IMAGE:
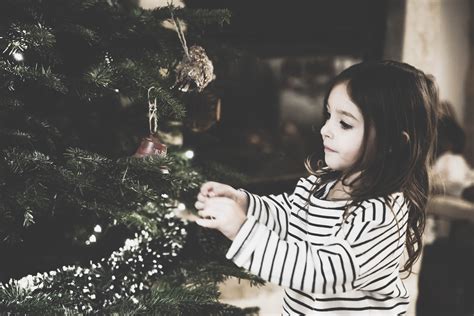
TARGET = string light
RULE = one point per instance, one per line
(18, 56)
(128, 272)
(189, 154)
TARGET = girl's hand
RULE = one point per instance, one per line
(224, 214)
(216, 189)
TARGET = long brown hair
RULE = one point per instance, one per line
(399, 103)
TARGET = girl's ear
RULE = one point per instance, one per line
(406, 137)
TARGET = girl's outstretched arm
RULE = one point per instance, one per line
(271, 211)
(364, 255)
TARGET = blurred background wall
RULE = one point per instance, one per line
(438, 39)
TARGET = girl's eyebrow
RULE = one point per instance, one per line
(347, 114)
(342, 112)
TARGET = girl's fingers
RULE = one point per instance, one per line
(202, 201)
(207, 187)
(209, 223)
(220, 189)
(212, 189)
(218, 201)
(201, 197)
(207, 213)
(199, 205)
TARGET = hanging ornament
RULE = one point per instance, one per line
(195, 71)
(149, 146)
(152, 145)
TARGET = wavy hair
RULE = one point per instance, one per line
(399, 103)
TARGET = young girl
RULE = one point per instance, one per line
(336, 242)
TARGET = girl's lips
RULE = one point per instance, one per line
(328, 149)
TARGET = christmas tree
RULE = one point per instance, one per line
(86, 225)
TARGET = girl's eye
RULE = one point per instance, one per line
(344, 125)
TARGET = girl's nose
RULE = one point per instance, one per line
(325, 133)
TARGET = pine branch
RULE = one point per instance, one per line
(25, 162)
(101, 75)
(132, 77)
(127, 274)
(22, 37)
(10, 138)
(199, 272)
(14, 75)
(15, 297)
(81, 31)
(170, 106)
(91, 186)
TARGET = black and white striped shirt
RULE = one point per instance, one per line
(326, 266)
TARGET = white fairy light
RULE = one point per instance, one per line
(26, 282)
(98, 229)
(18, 56)
(189, 154)
(181, 207)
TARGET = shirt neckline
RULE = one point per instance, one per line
(338, 203)
(324, 201)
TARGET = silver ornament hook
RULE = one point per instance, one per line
(152, 113)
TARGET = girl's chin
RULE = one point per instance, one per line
(332, 166)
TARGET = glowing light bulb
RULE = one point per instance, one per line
(18, 56)
(98, 229)
(189, 154)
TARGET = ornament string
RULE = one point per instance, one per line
(179, 30)
(152, 113)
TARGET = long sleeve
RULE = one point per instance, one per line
(363, 254)
(273, 210)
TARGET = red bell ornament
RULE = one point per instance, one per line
(150, 146)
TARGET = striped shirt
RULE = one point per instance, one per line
(326, 266)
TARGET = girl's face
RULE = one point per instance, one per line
(343, 131)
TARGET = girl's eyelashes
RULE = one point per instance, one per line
(344, 125)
